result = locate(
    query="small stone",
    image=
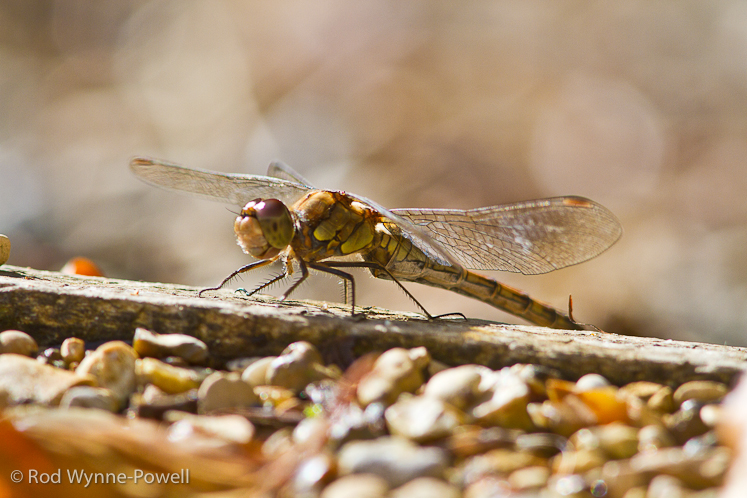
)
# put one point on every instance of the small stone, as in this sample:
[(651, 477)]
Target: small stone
[(310, 476), (113, 367), (458, 386), (562, 417), (170, 379), (699, 470), (393, 458), (81, 266), (642, 389), (150, 344), (662, 401), (508, 405), (15, 341), (73, 350), (616, 440), (51, 356), (578, 461), (605, 403), (426, 487), (393, 373), (529, 478), (230, 428), (422, 418), (154, 403), (4, 249), (89, 397), (666, 487), (357, 485), (591, 382), (25, 380), (310, 431), (222, 391), (471, 440), (298, 365), (256, 373), (685, 422), (502, 461), (654, 437), (702, 391)]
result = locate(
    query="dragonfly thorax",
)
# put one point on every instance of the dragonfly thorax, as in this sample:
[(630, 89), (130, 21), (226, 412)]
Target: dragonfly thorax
[(264, 227)]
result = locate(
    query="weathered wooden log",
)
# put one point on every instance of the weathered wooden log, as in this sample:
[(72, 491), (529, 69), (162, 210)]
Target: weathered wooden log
[(52, 306)]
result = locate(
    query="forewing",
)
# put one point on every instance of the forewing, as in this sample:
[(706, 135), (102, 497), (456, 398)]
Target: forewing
[(527, 237), (232, 188)]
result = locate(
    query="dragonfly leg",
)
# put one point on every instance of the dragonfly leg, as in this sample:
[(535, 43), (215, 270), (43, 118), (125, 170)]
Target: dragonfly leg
[(245, 268), (304, 276), (377, 266), (265, 285), (326, 267)]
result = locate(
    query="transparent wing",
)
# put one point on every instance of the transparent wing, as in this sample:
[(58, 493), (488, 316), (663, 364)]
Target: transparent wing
[(279, 169), (527, 237), (233, 188)]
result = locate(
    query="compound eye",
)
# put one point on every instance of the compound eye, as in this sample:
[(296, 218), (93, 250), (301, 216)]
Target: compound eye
[(276, 222)]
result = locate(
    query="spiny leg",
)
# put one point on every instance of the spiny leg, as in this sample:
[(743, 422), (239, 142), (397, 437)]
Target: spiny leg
[(245, 268), (377, 266), (347, 277), (304, 276), (266, 284)]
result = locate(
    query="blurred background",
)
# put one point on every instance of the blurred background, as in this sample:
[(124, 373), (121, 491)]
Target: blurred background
[(641, 106)]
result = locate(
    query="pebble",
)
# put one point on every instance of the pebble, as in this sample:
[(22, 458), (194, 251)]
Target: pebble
[(297, 366), (256, 373), (507, 406), (642, 389), (685, 422), (155, 403), (151, 344), (590, 382), (15, 341), (221, 391), (605, 403), (358, 486), (73, 350), (4, 249), (113, 367), (89, 397), (654, 437), (561, 417), (662, 401), (229, 428), (458, 386), (169, 378), (422, 418), (578, 461), (532, 477), (310, 476), (392, 458), (395, 371), (702, 391), (25, 380), (701, 470), (426, 487), (616, 440), (502, 461)]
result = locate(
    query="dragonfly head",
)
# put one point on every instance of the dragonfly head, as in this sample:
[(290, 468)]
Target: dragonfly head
[(264, 227)]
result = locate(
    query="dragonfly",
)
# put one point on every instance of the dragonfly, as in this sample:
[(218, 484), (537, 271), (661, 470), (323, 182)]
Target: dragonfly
[(283, 218)]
